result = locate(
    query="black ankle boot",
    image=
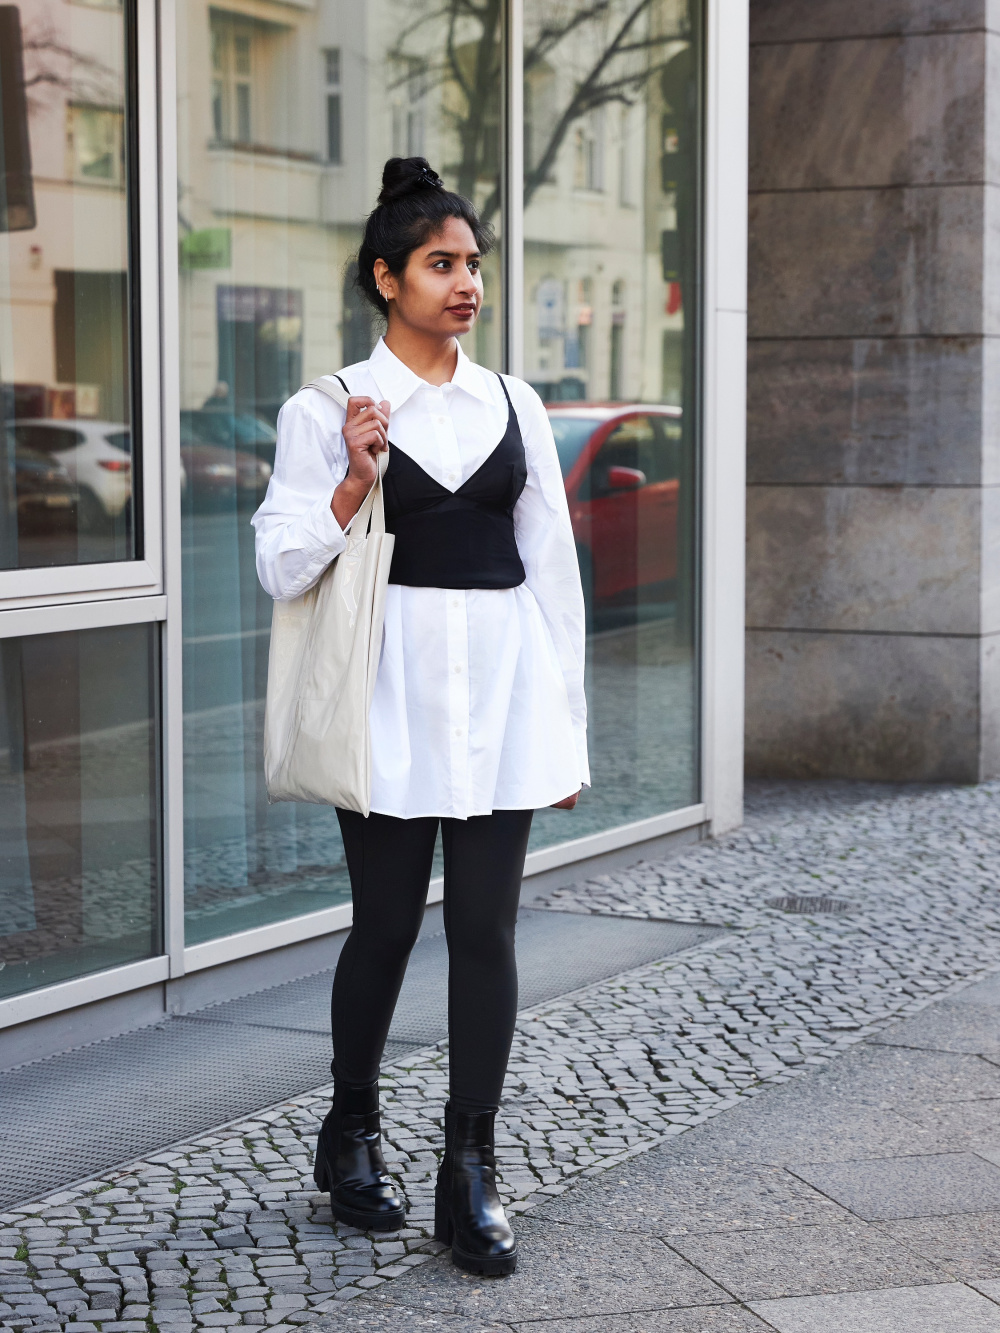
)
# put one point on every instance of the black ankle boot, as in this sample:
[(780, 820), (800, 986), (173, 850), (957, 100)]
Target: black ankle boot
[(468, 1214), (350, 1166)]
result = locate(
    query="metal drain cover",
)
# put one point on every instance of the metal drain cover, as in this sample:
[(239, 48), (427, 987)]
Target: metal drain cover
[(806, 906)]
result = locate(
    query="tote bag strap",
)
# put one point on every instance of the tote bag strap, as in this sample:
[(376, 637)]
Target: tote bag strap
[(373, 506)]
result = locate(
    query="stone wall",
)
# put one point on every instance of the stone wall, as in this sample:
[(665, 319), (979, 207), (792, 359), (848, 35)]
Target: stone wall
[(873, 596)]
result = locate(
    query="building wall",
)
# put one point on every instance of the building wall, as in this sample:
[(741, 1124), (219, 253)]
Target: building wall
[(873, 528)]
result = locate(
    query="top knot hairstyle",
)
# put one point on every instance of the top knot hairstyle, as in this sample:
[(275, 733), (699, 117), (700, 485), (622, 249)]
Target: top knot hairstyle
[(412, 205)]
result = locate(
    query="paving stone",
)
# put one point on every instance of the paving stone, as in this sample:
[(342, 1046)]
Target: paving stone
[(655, 1056), (948, 1027), (966, 1246), (800, 1261), (704, 1319), (940, 1309), (932, 1186), (653, 1194), (364, 1316), (562, 1271), (958, 1125)]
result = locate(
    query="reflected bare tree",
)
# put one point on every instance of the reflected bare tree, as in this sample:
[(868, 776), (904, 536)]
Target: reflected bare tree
[(624, 54), (50, 63)]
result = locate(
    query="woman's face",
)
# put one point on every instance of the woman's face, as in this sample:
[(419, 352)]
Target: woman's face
[(441, 289)]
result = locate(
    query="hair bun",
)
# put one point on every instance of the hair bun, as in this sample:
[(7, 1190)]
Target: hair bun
[(407, 175)]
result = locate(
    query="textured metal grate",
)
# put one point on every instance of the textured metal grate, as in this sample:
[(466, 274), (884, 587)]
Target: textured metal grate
[(78, 1114), (806, 906)]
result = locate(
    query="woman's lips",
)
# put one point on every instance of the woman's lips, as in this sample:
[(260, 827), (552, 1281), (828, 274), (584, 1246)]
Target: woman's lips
[(463, 311)]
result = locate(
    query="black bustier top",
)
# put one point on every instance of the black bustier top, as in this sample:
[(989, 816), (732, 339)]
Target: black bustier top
[(463, 538)]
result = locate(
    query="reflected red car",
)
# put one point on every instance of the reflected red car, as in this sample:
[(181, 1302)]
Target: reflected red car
[(621, 468)]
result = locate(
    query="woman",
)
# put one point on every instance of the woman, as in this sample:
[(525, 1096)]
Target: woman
[(478, 716)]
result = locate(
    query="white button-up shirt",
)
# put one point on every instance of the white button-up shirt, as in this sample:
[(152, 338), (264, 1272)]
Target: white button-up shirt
[(479, 702)]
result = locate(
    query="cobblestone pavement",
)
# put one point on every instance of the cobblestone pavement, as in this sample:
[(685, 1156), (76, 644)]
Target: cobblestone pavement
[(229, 1231)]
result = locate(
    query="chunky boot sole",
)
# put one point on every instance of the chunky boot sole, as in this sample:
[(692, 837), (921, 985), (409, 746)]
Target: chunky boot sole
[(498, 1265), (355, 1217)]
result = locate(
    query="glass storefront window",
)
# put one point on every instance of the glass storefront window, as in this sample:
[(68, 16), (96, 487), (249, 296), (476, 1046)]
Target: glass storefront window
[(79, 804), (612, 233), (68, 454), (284, 122)]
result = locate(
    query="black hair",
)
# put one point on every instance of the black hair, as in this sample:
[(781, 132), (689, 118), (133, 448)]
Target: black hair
[(412, 205)]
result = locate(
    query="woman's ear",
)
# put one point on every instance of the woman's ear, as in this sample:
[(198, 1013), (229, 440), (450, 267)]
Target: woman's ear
[(384, 280)]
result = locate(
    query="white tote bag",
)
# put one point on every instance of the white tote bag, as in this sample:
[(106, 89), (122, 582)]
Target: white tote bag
[(325, 648)]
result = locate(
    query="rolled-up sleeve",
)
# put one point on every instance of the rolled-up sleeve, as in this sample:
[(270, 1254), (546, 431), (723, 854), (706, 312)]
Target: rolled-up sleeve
[(548, 552), (297, 535)]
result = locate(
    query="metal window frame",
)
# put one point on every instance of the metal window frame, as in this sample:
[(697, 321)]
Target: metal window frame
[(126, 578), (723, 405), (726, 36), (71, 598)]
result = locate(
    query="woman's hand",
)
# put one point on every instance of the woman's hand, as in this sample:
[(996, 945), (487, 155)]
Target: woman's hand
[(366, 434), (568, 803)]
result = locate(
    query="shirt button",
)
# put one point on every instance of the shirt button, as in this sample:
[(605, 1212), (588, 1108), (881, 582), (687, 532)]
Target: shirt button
[(458, 670), (455, 603), (458, 731)]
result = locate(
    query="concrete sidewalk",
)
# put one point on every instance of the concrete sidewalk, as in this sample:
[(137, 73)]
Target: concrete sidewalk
[(864, 1198), (791, 1123)]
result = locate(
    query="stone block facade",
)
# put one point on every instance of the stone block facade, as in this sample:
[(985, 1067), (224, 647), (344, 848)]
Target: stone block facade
[(873, 570)]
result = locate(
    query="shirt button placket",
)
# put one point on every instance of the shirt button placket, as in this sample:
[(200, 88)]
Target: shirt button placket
[(458, 699)]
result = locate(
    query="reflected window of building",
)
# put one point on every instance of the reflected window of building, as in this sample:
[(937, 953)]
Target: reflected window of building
[(611, 344), (79, 800), (233, 43), (268, 300), (68, 443), (96, 140), (334, 134), (589, 140)]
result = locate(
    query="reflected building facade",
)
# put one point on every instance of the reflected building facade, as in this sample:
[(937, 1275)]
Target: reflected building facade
[(138, 433)]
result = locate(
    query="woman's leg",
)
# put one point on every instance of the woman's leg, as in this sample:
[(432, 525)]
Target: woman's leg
[(483, 865), (389, 861)]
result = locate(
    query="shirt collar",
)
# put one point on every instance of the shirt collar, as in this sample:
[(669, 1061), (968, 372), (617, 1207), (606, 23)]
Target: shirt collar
[(398, 382)]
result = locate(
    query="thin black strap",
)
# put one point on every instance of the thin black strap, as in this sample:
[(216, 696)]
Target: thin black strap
[(342, 385), (505, 393)]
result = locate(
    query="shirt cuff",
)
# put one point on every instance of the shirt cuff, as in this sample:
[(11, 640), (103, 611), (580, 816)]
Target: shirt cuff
[(582, 757), (321, 533)]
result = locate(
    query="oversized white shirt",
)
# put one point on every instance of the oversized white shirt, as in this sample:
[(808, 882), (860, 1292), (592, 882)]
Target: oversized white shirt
[(479, 702)]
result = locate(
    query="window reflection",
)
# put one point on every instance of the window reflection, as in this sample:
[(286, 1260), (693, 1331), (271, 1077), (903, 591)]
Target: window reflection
[(611, 253), (79, 829), (66, 436), (285, 120)]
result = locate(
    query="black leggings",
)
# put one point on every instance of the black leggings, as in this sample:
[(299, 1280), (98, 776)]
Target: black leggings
[(389, 861)]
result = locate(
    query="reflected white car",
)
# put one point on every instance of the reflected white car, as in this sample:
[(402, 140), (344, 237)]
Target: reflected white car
[(96, 454)]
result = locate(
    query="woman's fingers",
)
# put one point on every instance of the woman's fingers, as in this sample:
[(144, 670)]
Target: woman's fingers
[(366, 438), (365, 434), (567, 803), (362, 410)]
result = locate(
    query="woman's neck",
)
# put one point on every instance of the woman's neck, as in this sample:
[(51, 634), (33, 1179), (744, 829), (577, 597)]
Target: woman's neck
[(432, 359)]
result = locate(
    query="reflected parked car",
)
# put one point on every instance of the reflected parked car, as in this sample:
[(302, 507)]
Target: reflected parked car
[(46, 494), (240, 430), (621, 468), (96, 454), (216, 476)]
